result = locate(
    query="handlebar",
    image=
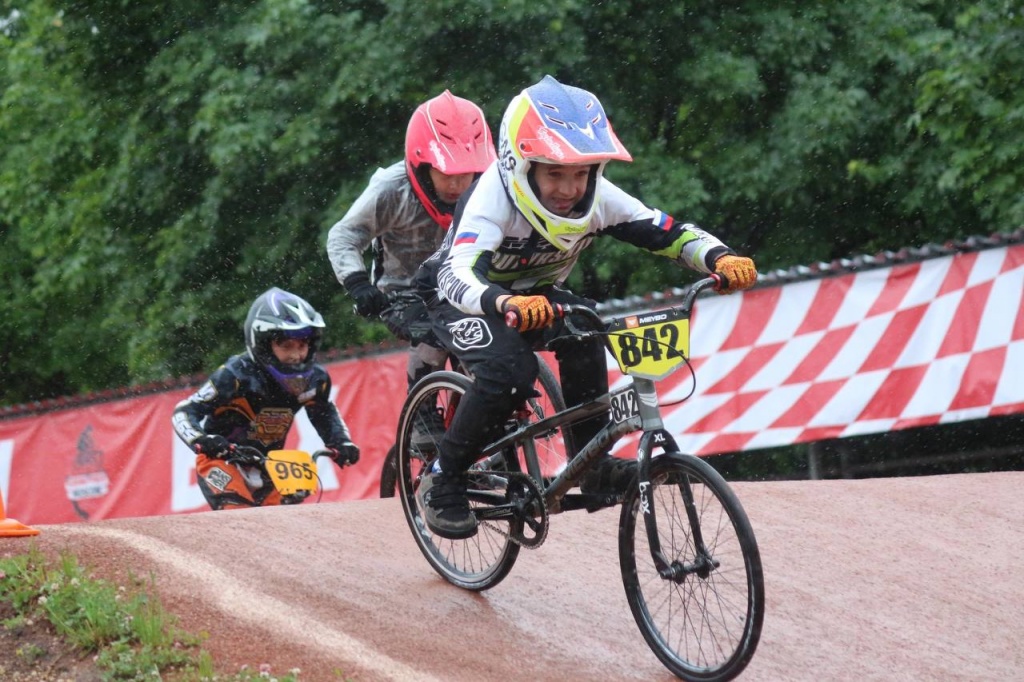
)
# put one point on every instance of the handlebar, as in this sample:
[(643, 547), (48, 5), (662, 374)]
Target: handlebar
[(712, 281), (246, 454), (399, 300), (563, 311)]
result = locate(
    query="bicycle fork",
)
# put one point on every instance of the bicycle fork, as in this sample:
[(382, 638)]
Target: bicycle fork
[(655, 436)]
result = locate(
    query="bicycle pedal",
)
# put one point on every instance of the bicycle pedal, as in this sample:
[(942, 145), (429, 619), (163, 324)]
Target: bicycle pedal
[(590, 502), (594, 502)]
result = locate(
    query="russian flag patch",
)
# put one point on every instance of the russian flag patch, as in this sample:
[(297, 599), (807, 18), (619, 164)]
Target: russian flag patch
[(663, 220), (466, 238)]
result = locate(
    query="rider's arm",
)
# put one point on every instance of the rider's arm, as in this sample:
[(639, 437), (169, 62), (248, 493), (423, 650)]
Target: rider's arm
[(368, 217), (191, 416), (324, 415), (629, 220)]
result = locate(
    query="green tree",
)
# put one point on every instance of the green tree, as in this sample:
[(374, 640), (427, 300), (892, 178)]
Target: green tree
[(164, 163)]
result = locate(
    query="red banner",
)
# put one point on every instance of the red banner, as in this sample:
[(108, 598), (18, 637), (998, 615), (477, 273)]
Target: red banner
[(919, 344), (121, 458)]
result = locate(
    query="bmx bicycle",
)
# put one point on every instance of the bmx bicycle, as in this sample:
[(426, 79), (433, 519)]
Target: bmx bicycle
[(689, 560)]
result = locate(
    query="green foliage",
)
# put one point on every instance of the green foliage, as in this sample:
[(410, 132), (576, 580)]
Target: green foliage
[(128, 631), (970, 105), (165, 163)]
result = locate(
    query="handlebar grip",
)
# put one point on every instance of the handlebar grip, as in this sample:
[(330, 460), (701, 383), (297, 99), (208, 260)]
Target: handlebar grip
[(512, 317)]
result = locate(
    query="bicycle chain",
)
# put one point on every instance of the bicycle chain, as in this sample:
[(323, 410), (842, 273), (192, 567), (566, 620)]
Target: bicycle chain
[(535, 497)]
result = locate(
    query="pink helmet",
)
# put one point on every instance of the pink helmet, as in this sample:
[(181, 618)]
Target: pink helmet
[(450, 134)]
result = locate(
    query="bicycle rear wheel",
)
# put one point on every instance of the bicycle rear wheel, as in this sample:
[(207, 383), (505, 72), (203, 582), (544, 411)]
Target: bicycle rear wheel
[(389, 473), (551, 448), (476, 563), (704, 621)]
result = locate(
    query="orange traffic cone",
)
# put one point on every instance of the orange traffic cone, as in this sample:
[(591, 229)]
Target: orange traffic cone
[(9, 528)]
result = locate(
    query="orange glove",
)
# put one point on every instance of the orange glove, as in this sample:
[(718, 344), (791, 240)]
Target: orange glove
[(526, 313), (739, 273)]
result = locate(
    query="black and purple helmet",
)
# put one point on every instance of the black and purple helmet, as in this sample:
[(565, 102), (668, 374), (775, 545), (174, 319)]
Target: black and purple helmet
[(277, 314)]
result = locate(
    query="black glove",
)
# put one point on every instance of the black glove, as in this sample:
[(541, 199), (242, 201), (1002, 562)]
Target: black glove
[(369, 299), (212, 445), (345, 453)]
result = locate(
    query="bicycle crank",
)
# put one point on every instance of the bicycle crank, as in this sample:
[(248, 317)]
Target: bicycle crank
[(523, 501)]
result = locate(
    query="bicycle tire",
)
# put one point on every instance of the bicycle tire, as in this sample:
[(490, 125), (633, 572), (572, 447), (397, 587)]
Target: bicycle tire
[(389, 473), (476, 563), (553, 450), (705, 625), (551, 456)]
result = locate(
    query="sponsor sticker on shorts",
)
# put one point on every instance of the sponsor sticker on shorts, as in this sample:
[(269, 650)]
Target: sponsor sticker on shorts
[(470, 333)]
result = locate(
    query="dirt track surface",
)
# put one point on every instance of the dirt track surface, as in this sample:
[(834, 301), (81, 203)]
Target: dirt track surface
[(880, 579)]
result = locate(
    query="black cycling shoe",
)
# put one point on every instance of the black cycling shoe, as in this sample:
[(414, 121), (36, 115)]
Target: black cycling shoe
[(609, 476), (446, 507)]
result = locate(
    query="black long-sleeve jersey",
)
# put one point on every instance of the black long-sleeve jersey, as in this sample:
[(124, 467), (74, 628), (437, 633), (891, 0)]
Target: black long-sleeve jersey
[(242, 403)]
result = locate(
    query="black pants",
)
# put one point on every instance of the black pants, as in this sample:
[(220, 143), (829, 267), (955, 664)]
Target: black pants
[(504, 368)]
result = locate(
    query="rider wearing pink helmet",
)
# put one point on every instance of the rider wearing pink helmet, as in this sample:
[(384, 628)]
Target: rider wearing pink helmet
[(447, 146), (404, 213)]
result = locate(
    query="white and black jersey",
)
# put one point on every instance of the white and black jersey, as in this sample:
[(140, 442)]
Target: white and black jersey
[(492, 250)]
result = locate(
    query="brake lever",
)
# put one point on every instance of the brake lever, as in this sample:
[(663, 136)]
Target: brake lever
[(568, 310)]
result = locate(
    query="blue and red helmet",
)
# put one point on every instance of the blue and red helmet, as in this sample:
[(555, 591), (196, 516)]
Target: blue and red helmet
[(558, 124)]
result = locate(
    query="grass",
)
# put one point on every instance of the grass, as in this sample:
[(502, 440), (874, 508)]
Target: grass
[(126, 631)]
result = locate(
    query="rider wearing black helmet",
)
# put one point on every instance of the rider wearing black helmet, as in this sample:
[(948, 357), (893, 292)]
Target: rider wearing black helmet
[(252, 400)]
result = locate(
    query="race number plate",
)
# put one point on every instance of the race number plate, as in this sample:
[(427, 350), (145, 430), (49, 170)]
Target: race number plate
[(624, 404), (651, 345), (291, 471)]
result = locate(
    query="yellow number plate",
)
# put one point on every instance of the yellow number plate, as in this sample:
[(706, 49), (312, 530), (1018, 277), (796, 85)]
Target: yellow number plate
[(651, 345), (291, 471)]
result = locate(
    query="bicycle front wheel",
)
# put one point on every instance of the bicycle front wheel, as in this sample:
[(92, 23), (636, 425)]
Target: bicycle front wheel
[(701, 616), (476, 563)]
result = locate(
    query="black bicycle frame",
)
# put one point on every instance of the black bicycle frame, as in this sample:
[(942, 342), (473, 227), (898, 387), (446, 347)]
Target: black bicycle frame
[(648, 421)]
